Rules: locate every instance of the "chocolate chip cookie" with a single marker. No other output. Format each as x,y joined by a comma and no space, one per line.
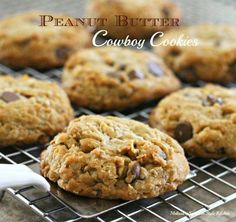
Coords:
136,18
24,43
212,60
116,78
31,110
203,120
114,158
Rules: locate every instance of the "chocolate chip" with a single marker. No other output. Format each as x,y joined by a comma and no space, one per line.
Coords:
136,170
175,52
188,74
211,100
62,52
9,97
133,173
215,100
232,68
183,132
217,43
221,151
122,67
155,69
166,12
135,74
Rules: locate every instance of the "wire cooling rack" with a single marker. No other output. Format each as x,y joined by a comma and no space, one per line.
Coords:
213,185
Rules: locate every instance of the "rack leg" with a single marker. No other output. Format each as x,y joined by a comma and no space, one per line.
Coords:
1,195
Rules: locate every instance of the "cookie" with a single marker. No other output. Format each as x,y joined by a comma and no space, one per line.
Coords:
31,111
203,120
116,78
114,158
143,17
24,43
212,60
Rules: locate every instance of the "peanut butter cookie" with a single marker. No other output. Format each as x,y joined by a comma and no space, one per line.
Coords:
203,120
116,78
136,18
31,110
213,59
114,158
24,43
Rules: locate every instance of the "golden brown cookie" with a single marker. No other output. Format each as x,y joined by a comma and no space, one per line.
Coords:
114,158
116,78
24,43
31,111
212,60
203,120
143,17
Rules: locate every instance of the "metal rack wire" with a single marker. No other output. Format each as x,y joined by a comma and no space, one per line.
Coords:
214,184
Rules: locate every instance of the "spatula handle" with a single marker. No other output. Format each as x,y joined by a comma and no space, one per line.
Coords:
20,175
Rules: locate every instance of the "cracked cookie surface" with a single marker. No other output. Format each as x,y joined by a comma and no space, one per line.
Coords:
114,158
116,78
203,120
31,111
212,60
136,9
24,43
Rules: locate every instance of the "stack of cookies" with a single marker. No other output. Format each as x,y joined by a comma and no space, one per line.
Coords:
111,157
